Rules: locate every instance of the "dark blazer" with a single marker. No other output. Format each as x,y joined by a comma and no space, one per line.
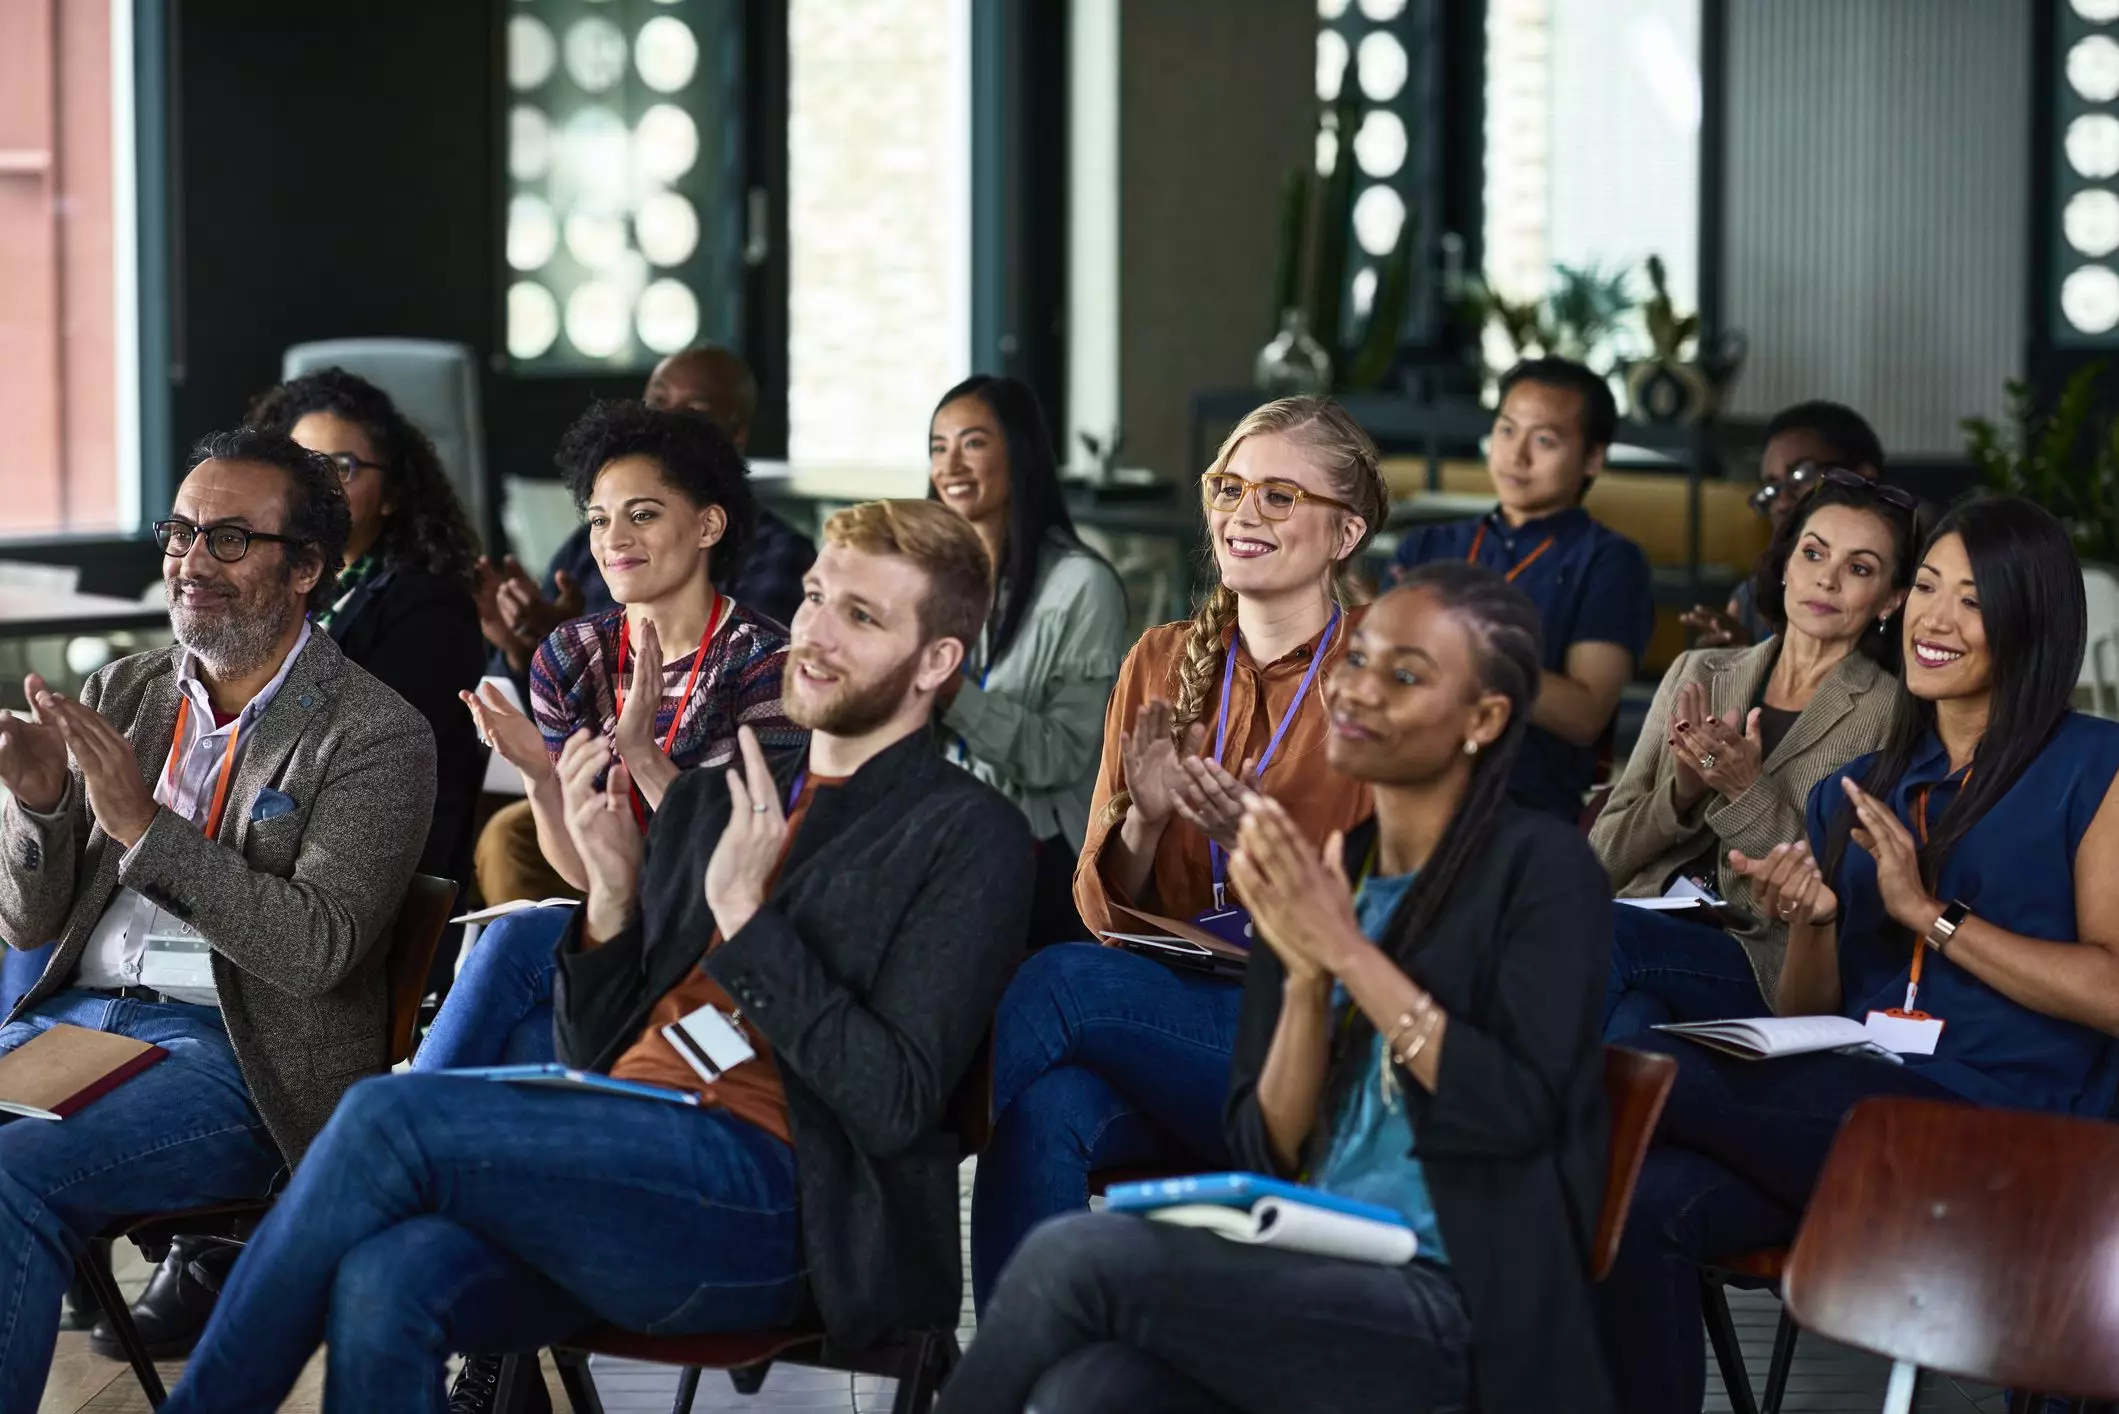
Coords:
297,905
873,969
1514,1136
417,634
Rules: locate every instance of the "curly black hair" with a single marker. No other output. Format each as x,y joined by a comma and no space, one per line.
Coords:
428,529
317,516
697,459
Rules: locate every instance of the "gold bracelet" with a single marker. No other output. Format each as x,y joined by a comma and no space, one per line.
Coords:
1419,1044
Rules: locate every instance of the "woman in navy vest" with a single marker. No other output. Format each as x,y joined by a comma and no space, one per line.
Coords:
1958,890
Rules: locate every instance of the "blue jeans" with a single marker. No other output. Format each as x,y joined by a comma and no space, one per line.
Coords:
1101,1059
19,971
1664,969
1735,1158
500,1010
438,1213
180,1134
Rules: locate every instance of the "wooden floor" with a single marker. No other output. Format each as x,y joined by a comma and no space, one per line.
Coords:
1826,1379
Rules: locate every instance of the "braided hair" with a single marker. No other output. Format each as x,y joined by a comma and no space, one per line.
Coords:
1508,653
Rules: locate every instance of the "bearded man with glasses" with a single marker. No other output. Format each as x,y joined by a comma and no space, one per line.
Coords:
216,836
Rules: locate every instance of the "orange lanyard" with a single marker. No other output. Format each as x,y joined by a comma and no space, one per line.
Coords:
1920,829
1472,558
684,699
220,786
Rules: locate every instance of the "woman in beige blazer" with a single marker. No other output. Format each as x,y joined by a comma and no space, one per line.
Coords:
1733,745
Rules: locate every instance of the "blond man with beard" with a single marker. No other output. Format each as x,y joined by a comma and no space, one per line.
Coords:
216,837
848,913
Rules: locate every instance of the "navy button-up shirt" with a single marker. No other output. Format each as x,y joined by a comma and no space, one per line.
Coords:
1591,586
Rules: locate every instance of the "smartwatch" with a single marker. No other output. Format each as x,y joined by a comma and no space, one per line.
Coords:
1953,916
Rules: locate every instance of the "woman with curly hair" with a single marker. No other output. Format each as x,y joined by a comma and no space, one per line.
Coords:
1102,1057
403,610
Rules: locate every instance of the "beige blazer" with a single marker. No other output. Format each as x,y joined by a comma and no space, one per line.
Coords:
1643,837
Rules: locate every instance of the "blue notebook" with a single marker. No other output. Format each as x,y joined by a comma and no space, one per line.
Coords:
560,1077
1237,1190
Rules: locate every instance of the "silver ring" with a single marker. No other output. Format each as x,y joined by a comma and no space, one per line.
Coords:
1788,912
1707,762
759,809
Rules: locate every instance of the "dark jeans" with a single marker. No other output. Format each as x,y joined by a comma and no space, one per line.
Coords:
438,1214
500,1010
1735,1158
182,1133
1664,969
19,970
1101,1059
1053,916
1107,1311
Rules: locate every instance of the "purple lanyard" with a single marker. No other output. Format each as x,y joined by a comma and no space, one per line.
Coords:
795,795
1287,719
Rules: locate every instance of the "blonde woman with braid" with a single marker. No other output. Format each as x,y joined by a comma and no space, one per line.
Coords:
1102,1057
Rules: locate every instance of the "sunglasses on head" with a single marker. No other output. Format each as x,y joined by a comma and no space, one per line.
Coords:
1805,476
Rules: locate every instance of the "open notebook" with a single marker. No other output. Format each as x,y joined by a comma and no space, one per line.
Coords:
1760,1037
1268,1212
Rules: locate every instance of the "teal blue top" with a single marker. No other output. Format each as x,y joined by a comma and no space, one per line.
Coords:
1371,1156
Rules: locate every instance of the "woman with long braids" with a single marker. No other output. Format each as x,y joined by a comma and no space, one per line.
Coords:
1978,906
1103,1057
1420,1032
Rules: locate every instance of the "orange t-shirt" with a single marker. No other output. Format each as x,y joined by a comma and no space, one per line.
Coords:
752,1091
1319,798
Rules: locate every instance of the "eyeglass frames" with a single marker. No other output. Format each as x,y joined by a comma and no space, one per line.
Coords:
1276,500
1805,475
348,464
226,543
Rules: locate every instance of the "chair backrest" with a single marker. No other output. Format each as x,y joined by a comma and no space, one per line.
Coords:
434,384
410,952
1977,1242
1636,1083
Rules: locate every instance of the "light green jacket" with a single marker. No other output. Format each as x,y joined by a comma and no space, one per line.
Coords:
1031,723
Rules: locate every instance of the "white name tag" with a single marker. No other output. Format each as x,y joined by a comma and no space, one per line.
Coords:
1907,1035
176,955
710,1043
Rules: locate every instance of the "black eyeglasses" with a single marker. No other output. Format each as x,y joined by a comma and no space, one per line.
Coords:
226,543
349,465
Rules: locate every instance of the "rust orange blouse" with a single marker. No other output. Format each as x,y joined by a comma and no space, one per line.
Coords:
1320,799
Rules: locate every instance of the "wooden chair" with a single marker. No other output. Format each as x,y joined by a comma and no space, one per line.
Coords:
421,917
918,1360
1975,1242
1636,1085
1758,1270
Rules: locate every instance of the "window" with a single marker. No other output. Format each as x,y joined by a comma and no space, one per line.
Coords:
68,375
879,258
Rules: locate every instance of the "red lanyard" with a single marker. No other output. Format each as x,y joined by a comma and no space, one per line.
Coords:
1472,557
1920,828
684,699
212,826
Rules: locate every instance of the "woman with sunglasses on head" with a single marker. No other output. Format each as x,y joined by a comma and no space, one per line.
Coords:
1027,714
1736,740
1103,1057
1801,443
1423,1040
1958,890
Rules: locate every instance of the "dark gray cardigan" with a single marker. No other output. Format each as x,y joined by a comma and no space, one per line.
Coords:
1514,1135
873,969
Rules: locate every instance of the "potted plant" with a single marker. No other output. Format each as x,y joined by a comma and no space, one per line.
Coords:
1668,386
2065,458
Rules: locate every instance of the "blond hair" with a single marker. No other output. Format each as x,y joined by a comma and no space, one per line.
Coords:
1333,443
941,544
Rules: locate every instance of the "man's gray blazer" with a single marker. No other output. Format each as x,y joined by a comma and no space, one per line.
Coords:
297,907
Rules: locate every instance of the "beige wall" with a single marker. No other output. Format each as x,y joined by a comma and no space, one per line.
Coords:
1217,100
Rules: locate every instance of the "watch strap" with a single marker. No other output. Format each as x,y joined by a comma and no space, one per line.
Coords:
1945,928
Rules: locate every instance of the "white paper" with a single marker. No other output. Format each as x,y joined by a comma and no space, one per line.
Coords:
1666,904
502,910
1299,1227
1762,1036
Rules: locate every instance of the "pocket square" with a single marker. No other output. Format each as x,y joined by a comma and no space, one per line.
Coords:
271,804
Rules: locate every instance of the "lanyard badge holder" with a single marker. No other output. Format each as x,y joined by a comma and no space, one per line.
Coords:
1907,1029
175,954
1228,921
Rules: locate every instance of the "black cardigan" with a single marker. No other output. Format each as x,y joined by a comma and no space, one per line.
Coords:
1514,1136
873,969
417,633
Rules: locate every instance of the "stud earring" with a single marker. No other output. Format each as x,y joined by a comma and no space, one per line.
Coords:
1471,748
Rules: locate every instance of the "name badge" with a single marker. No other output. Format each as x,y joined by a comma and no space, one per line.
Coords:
176,955
710,1042
1231,925
1909,1034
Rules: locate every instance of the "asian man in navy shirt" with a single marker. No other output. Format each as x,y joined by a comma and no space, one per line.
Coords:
1590,583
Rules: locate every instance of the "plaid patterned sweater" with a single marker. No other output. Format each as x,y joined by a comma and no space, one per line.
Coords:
572,686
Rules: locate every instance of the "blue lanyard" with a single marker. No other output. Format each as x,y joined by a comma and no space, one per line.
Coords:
1287,719
795,795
